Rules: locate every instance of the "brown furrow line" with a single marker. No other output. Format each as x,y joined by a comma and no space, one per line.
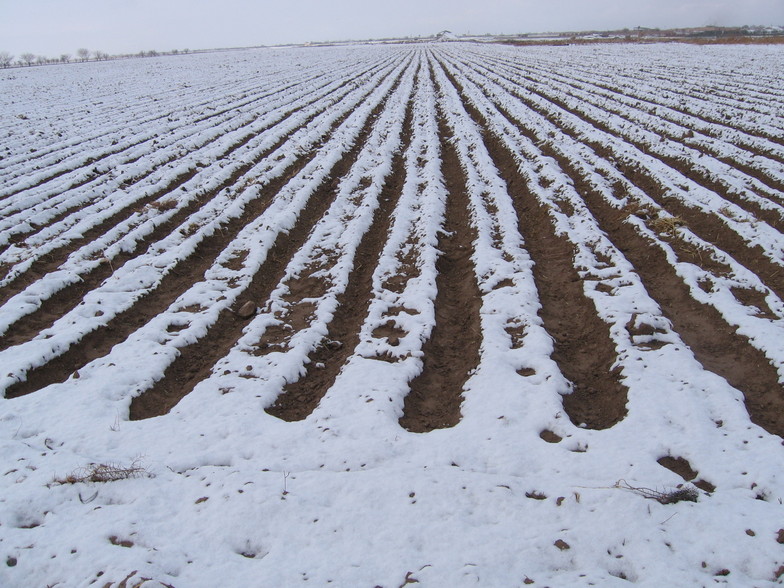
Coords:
651,110
299,399
452,351
715,343
196,361
698,176
56,257
77,183
681,165
66,299
708,227
755,173
100,341
583,348
91,161
139,204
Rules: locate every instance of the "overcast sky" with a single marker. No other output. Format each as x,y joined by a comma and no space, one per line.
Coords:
53,27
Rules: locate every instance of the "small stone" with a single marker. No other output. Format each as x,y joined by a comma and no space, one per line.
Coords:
562,545
780,538
247,310
10,562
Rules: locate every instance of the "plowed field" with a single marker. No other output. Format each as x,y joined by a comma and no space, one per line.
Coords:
383,315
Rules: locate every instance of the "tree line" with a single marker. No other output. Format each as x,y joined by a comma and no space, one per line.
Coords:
82,55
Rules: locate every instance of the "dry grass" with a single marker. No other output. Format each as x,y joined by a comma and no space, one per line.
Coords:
667,224
680,494
162,205
101,472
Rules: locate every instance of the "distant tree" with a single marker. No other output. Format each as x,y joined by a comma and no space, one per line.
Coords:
84,54
41,59
101,55
6,59
27,58
65,58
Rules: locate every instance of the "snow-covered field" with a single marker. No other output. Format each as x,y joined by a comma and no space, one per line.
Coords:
445,314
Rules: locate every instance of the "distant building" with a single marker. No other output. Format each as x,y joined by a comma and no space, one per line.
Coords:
446,36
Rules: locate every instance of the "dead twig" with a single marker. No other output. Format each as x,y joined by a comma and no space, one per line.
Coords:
684,493
101,472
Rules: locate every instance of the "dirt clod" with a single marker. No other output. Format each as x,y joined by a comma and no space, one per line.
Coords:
247,310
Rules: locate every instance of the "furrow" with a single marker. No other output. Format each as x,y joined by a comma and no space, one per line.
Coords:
583,347
757,197
300,398
707,225
64,300
186,123
278,113
195,362
452,351
99,340
716,344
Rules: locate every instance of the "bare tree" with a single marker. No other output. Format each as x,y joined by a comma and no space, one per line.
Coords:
84,54
65,58
27,58
101,55
41,59
6,59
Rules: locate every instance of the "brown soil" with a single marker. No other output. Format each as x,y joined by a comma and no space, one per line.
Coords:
56,257
583,348
715,343
300,398
682,467
196,361
180,278
452,351
66,299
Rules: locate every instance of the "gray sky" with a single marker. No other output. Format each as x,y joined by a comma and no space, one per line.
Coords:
53,27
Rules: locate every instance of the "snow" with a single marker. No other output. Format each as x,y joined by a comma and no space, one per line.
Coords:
230,495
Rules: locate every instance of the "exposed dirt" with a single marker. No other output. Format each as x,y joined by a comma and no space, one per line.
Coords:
69,296
682,467
196,361
583,349
452,351
715,343
179,279
708,227
300,398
